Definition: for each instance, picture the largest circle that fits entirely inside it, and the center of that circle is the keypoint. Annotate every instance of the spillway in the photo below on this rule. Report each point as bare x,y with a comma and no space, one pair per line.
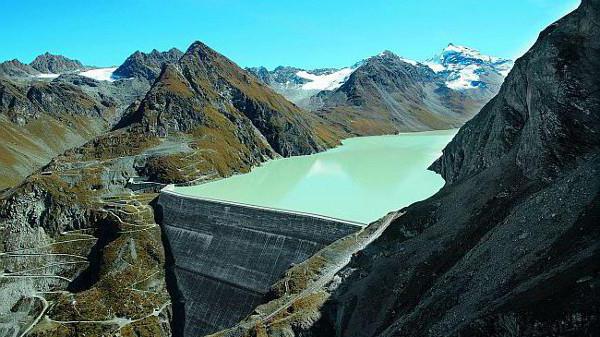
226,255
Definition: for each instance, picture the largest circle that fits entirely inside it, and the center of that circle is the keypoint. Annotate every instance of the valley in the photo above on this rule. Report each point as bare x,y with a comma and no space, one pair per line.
179,194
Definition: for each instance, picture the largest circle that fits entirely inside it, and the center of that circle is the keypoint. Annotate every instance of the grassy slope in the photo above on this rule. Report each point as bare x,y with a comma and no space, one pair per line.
23,149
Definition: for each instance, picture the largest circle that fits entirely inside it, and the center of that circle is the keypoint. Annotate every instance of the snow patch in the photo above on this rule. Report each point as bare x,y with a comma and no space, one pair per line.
436,67
409,61
47,75
100,74
463,78
330,81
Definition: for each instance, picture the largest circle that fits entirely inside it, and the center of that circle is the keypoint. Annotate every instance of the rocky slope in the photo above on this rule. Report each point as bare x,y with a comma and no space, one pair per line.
44,118
78,259
509,247
147,66
55,64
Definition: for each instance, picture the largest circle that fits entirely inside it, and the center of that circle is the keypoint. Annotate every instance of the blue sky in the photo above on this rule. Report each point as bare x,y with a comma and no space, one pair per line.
304,33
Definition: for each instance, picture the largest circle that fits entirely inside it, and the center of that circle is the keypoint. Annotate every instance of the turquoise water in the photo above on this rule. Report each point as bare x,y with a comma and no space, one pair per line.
362,180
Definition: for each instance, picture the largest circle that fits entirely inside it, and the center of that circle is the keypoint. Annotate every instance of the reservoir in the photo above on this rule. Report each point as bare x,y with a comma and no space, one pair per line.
361,180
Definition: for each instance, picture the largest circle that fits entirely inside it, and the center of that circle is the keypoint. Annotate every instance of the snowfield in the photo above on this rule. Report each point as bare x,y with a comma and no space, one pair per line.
463,78
47,75
327,81
100,74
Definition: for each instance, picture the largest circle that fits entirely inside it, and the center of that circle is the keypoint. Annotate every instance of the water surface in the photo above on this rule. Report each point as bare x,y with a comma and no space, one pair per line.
362,180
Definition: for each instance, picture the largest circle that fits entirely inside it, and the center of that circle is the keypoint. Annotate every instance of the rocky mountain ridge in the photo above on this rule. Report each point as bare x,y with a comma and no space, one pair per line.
147,66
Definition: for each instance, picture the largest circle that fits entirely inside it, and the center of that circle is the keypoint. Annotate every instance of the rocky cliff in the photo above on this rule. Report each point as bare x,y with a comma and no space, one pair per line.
509,247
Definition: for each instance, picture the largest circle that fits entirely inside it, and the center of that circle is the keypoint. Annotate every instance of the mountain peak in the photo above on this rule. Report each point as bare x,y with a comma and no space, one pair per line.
454,51
55,64
147,65
467,67
387,53
199,46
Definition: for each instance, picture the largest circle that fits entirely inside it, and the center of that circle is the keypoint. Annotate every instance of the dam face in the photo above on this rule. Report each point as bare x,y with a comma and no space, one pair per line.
225,256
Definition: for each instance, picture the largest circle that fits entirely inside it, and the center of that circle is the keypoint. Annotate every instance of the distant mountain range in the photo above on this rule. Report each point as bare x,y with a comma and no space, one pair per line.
387,93
380,95
462,68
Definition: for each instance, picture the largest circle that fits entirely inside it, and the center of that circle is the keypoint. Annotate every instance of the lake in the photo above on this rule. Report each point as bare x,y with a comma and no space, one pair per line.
362,180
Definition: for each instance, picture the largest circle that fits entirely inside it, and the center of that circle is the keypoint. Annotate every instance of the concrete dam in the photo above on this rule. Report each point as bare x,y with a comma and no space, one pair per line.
226,255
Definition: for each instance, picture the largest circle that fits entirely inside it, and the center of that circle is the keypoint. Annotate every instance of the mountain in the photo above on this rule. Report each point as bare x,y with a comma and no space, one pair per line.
206,89
298,85
55,64
510,246
224,119
147,65
389,94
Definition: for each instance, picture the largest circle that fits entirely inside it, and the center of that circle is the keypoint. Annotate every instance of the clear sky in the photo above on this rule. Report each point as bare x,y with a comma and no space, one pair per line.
304,33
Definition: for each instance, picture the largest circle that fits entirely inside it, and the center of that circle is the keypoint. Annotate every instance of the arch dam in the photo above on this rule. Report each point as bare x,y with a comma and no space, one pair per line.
224,256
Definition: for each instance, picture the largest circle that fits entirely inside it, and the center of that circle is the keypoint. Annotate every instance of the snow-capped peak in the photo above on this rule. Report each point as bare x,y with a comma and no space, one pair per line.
455,53
465,66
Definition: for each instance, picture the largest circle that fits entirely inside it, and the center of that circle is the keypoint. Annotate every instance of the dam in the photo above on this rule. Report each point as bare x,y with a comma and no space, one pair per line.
231,239
227,255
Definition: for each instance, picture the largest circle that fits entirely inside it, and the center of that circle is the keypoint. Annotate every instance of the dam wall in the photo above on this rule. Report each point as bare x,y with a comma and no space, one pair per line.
225,256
